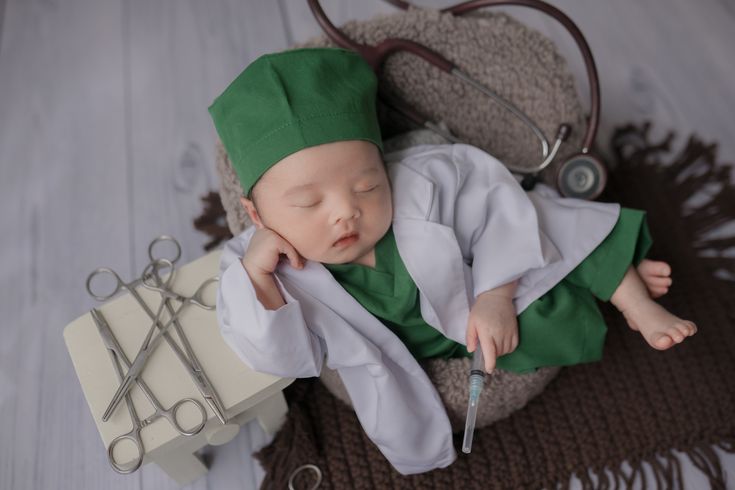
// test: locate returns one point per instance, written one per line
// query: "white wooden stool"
(245, 394)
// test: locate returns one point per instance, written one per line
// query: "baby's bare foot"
(660, 328)
(656, 275)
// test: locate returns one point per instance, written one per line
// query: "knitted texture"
(504, 391)
(598, 421)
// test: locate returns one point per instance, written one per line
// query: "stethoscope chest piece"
(582, 176)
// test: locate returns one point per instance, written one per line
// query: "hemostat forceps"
(149, 343)
(130, 286)
(117, 355)
(191, 364)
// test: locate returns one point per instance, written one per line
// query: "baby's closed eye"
(311, 203)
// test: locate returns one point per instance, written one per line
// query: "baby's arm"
(266, 290)
(493, 321)
(274, 341)
(497, 227)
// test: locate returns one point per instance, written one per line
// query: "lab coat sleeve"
(276, 342)
(495, 221)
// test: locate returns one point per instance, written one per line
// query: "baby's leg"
(660, 328)
(656, 275)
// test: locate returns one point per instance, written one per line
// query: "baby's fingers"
(502, 343)
(471, 338)
(510, 342)
(291, 253)
(489, 353)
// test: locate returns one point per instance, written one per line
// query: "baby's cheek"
(309, 246)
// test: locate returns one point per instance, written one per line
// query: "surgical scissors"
(149, 343)
(117, 355)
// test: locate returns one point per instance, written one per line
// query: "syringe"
(477, 380)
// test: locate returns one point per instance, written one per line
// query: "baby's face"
(315, 196)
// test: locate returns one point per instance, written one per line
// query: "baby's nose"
(347, 211)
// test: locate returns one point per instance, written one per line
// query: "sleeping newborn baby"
(332, 204)
(376, 261)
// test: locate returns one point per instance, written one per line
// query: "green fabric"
(389, 293)
(562, 327)
(285, 102)
(565, 325)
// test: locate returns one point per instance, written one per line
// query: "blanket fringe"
(707, 461)
(665, 466)
(213, 221)
(693, 170)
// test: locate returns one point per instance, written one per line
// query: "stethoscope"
(582, 176)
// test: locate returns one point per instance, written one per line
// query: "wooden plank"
(182, 55)
(64, 178)
(173, 45)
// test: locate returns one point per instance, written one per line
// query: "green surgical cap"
(285, 102)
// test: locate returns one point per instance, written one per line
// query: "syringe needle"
(469, 427)
(477, 380)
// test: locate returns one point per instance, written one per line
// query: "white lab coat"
(454, 205)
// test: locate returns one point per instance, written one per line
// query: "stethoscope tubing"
(376, 55)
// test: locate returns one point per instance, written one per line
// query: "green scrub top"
(389, 293)
(562, 327)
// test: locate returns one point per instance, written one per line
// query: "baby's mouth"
(347, 240)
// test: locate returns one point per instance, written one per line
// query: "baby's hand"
(493, 320)
(264, 251)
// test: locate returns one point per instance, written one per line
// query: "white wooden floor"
(105, 142)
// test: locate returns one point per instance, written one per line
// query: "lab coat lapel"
(431, 254)
(393, 397)
(367, 331)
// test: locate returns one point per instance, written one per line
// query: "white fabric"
(462, 225)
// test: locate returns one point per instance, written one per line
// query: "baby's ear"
(249, 207)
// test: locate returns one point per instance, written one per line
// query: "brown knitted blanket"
(636, 405)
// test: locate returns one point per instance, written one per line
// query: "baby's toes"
(691, 327)
(657, 292)
(661, 269)
(659, 281)
(654, 268)
(679, 331)
(661, 341)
